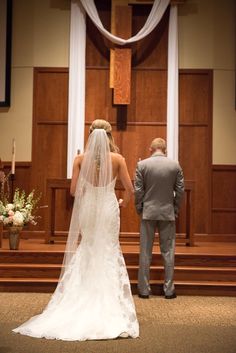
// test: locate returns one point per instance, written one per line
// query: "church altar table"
(64, 184)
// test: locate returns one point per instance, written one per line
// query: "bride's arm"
(126, 181)
(75, 174)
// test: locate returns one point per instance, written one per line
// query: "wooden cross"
(120, 57)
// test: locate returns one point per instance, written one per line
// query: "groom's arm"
(139, 189)
(179, 190)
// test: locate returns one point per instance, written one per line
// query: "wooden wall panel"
(196, 167)
(224, 222)
(224, 186)
(99, 95)
(51, 163)
(195, 140)
(148, 96)
(51, 96)
(150, 52)
(97, 46)
(224, 199)
(49, 153)
(195, 94)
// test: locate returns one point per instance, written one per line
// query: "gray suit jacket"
(159, 187)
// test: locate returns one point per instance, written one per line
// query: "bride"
(93, 298)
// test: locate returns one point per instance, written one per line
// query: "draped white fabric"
(157, 11)
(76, 113)
(173, 86)
(76, 110)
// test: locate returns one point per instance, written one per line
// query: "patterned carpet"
(183, 325)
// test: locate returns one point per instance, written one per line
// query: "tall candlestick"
(13, 160)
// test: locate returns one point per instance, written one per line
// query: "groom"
(159, 187)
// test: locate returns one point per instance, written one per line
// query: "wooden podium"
(59, 184)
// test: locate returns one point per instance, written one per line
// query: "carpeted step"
(131, 258)
(182, 287)
(156, 272)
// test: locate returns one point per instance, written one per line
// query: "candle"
(13, 160)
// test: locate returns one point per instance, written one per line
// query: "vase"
(14, 237)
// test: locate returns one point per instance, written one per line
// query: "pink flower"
(10, 213)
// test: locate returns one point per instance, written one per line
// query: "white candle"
(13, 160)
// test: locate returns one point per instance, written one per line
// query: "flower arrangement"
(21, 211)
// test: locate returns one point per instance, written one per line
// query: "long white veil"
(93, 298)
(95, 176)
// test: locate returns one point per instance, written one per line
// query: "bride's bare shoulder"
(117, 157)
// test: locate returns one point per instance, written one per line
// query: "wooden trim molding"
(51, 69)
(7, 164)
(224, 210)
(57, 122)
(223, 167)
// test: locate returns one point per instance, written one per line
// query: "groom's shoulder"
(142, 163)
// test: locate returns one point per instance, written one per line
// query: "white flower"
(9, 207)
(18, 219)
(7, 220)
(1, 218)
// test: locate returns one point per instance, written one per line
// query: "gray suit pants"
(166, 231)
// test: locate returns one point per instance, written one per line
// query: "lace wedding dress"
(93, 299)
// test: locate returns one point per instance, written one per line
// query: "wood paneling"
(97, 46)
(150, 52)
(195, 140)
(224, 186)
(195, 94)
(148, 97)
(146, 116)
(50, 97)
(196, 167)
(224, 199)
(99, 95)
(49, 151)
(224, 222)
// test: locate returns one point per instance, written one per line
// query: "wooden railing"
(64, 184)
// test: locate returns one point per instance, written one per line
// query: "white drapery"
(77, 67)
(173, 86)
(76, 103)
(157, 11)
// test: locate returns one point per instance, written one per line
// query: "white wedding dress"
(93, 299)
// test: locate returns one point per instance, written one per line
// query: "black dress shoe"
(172, 296)
(143, 296)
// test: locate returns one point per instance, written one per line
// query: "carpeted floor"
(183, 325)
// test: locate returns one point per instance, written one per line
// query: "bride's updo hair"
(105, 125)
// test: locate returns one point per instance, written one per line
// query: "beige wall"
(41, 38)
(207, 40)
